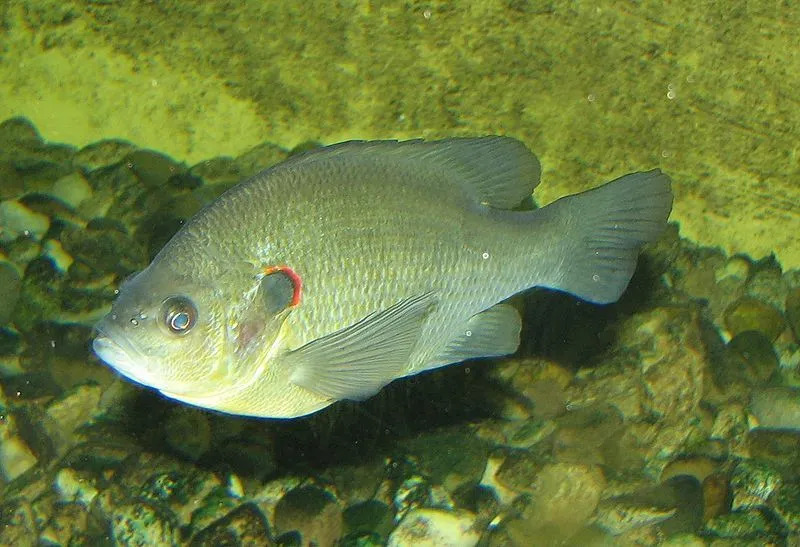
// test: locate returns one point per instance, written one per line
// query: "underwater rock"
(752, 483)
(777, 447)
(586, 435)
(777, 407)
(10, 284)
(187, 432)
(654, 377)
(153, 169)
(16, 220)
(450, 458)
(786, 503)
(793, 311)
(565, 497)
(749, 358)
(751, 524)
(103, 153)
(428, 527)
(414, 492)
(16, 456)
(260, 157)
(67, 525)
(72, 190)
(618, 516)
(104, 246)
(224, 171)
(311, 511)
(716, 496)
(749, 313)
(17, 523)
(245, 525)
(142, 523)
(19, 130)
(368, 517)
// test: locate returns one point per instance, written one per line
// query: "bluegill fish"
(340, 270)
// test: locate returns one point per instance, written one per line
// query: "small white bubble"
(426, 14)
(485, 255)
(154, 83)
(665, 153)
(590, 97)
(135, 322)
(595, 278)
(468, 333)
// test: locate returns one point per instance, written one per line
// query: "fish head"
(167, 331)
(197, 337)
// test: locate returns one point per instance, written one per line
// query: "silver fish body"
(336, 272)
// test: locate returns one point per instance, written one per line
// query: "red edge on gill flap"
(297, 282)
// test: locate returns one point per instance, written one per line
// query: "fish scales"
(401, 253)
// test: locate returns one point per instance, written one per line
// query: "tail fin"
(602, 231)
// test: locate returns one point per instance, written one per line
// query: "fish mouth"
(116, 351)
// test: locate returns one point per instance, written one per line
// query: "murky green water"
(670, 417)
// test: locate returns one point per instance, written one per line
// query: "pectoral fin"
(357, 361)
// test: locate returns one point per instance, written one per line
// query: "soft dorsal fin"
(498, 171)
(357, 361)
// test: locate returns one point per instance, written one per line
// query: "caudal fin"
(602, 231)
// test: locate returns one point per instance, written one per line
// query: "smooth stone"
(793, 311)
(15, 457)
(187, 432)
(245, 525)
(72, 189)
(750, 313)
(10, 284)
(104, 152)
(751, 357)
(776, 407)
(152, 168)
(428, 527)
(312, 512)
(17, 219)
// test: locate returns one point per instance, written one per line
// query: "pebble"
(565, 497)
(751, 357)
(429, 527)
(9, 291)
(750, 313)
(752, 483)
(152, 168)
(311, 511)
(187, 432)
(776, 407)
(793, 311)
(72, 189)
(16, 220)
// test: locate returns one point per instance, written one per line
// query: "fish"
(330, 275)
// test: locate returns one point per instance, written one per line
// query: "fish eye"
(178, 314)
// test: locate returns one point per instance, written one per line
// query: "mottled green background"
(706, 90)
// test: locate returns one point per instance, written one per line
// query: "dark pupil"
(179, 314)
(180, 321)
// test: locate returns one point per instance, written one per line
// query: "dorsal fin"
(498, 171)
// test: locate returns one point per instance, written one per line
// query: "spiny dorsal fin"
(497, 171)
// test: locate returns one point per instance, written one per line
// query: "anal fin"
(490, 333)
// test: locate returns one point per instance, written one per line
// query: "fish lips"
(116, 351)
